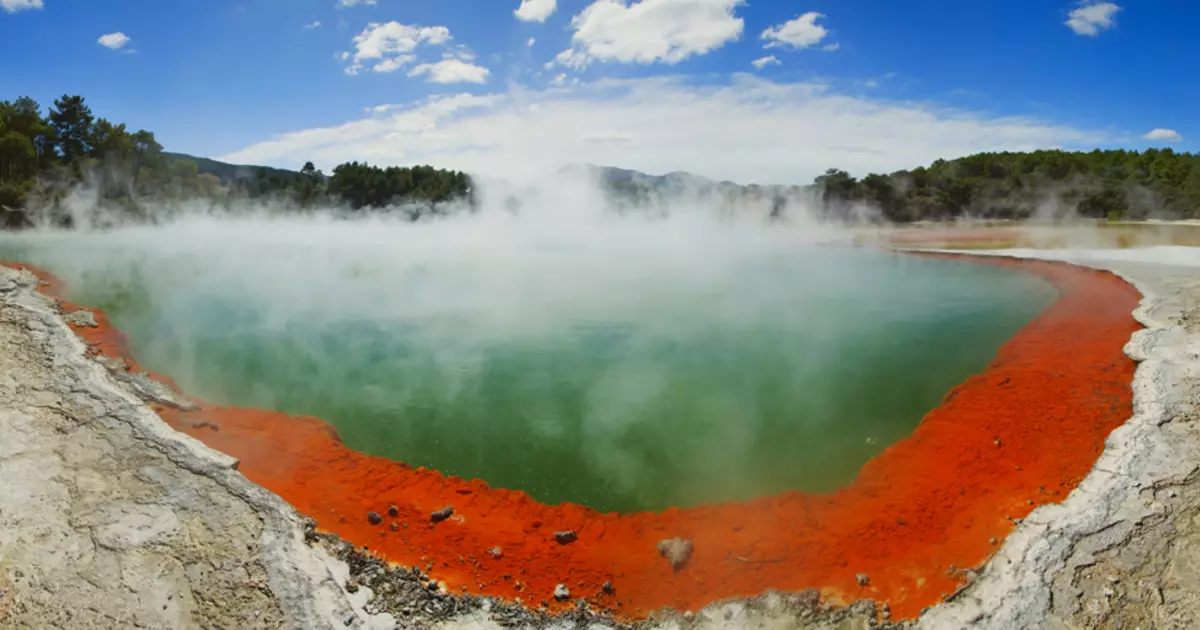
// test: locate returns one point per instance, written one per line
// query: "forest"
(45, 157)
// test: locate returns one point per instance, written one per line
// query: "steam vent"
(935, 475)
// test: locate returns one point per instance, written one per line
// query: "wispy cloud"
(762, 62)
(729, 131)
(12, 6)
(342, 4)
(451, 70)
(312, 26)
(801, 32)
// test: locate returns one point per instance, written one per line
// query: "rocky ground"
(110, 519)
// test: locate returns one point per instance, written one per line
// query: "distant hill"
(228, 173)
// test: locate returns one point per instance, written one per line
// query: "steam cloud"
(415, 317)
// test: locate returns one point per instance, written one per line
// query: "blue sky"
(653, 84)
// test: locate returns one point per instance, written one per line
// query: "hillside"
(228, 173)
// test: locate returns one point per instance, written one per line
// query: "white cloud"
(451, 70)
(531, 42)
(763, 62)
(562, 79)
(1092, 17)
(312, 26)
(114, 41)
(12, 6)
(379, 109)
(392, 64)
(801, 32)
(749, 129)
(650, 31)
(1163, 135)
(535, 10)
(342, 4)
(831, 47)
(388, 46)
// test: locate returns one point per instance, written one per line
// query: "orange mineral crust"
(1021, 434)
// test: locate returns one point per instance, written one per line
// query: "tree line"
(1102, 184)
(46, 156)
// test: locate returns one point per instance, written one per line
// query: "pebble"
(496, 552)
(567, 537)
(393, 511)
(608, 588)
(863, 580)
(442, 514)
(677, 551)
(395, 526)
(562, 593)
(374, 518)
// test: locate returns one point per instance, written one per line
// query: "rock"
(677, 551)
(393, 511)
(81, 318)
(567, 537)
(608, 588)
(442, 514)
(395, 526)
(374, 518)
(496, 552)
(562, 593)
(863, 580)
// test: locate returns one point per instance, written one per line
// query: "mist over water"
(624, 363)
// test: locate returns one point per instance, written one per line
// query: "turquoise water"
(613, 372)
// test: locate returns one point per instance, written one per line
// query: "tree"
(72, 121)
(18, 158)
(146, 151)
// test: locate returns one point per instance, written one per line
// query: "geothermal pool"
(624, 367)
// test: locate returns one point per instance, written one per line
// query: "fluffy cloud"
(1163, 135)
(1092, 17)
(392, 64)
(114, 41)
(650, 31)
(748, 130)
(535, 10)
(801, 32)
(389, 45)
(12, 6)
(451, 70)
(763, 62)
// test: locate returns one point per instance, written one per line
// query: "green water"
(627, 386)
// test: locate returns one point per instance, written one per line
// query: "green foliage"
(361, 185)
(1098, 184)
(43, 157)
